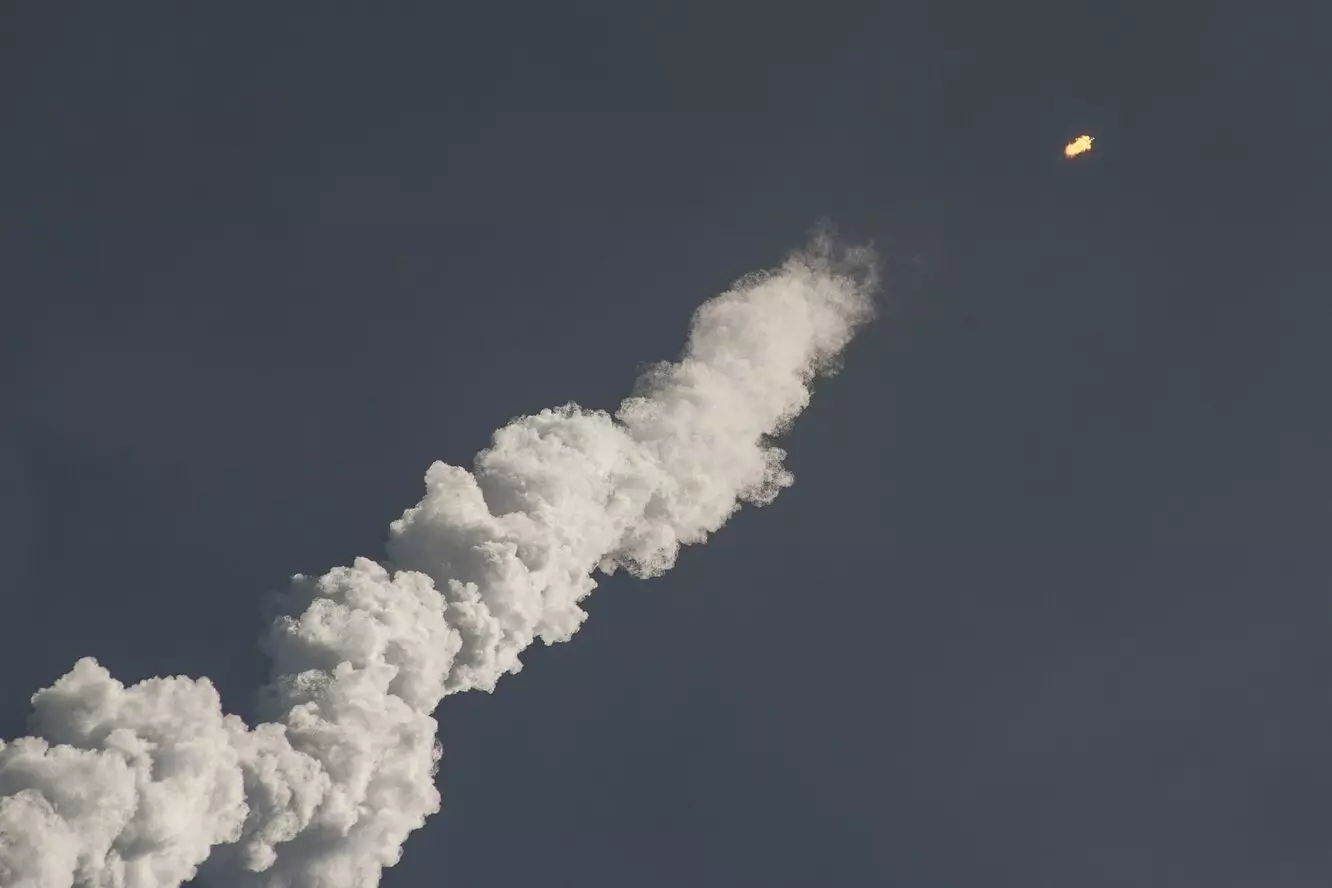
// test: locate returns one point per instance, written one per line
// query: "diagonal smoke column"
(132, 787)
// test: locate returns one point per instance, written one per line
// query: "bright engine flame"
(1078, 146)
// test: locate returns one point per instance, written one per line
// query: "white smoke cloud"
(132, 787)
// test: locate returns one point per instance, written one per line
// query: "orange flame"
(1078, 146)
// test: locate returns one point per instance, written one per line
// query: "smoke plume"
(133, 787)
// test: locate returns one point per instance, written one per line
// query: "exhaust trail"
(135, 787)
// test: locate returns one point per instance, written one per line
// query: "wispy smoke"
(132, 787)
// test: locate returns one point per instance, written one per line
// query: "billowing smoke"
(133, 787)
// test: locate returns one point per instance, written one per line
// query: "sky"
(1047, 603)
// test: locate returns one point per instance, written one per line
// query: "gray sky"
(1047, 604)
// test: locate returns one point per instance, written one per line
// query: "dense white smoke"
(132, 787)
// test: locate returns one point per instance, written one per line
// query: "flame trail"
(1081, 145)
(132, 787)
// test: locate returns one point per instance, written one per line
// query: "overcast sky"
(1048, 604)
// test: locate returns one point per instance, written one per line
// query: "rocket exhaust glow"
(1081, 145)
